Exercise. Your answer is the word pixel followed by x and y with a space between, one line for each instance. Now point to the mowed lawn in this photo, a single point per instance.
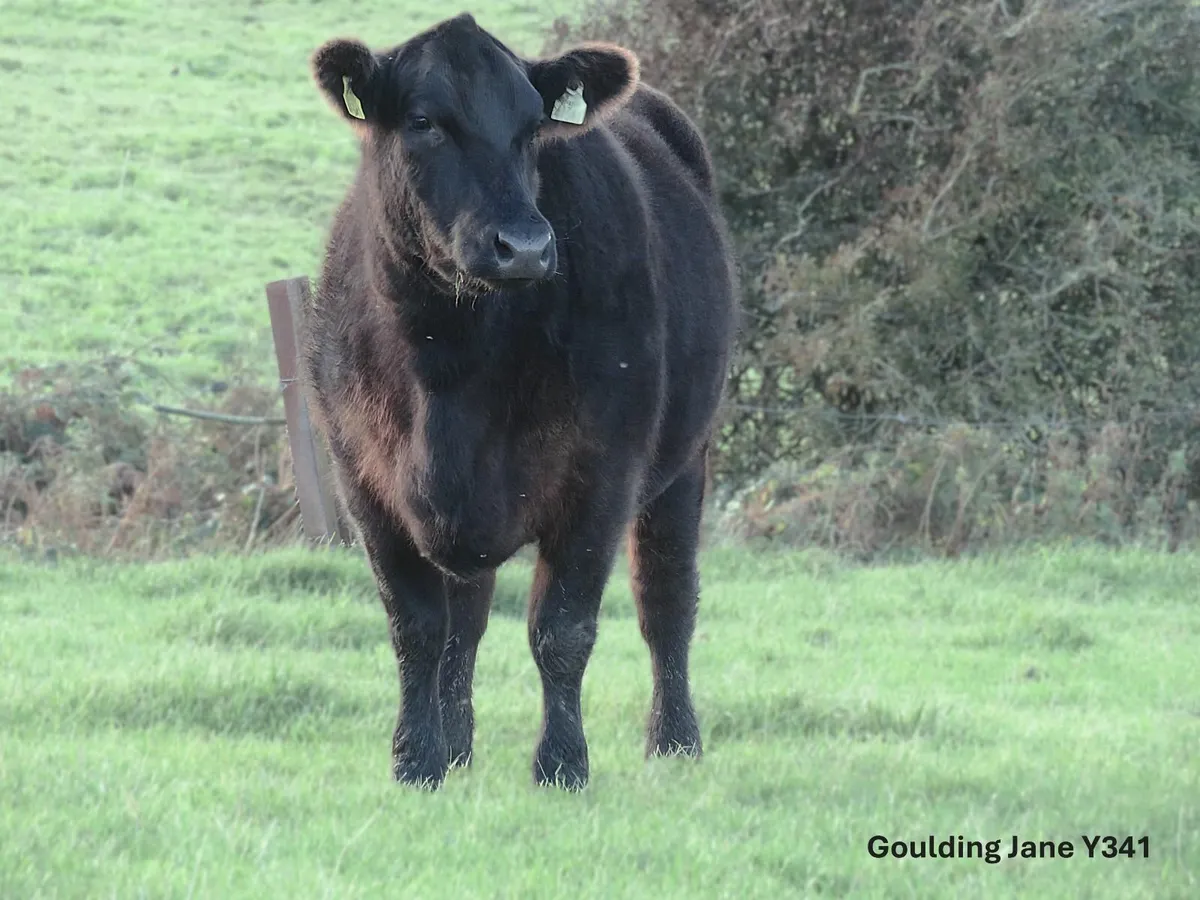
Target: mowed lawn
pixel 161 161
pixel 220 728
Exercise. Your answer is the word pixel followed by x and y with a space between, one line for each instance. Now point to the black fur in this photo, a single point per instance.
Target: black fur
pixel 469 415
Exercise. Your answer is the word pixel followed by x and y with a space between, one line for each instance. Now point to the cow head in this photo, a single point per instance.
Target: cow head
pixel 451 124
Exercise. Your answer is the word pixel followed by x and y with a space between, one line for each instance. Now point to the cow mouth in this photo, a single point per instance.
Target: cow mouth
pixel 456 282
pixel 466 285
pixel 513 284
pixel 461 284
pixel 453 281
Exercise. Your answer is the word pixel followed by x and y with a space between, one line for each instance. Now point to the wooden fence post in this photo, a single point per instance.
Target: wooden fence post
pixel 319 512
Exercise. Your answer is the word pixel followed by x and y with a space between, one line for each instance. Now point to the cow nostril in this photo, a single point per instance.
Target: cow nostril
pixel 523 253
pixel 504 250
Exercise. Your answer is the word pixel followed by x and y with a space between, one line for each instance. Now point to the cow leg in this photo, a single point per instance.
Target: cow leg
pixel 664 541
pixel 565 601
pixel 414 595
pixel 470 603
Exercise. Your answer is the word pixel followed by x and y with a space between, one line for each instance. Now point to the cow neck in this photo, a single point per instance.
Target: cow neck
pixel 421 312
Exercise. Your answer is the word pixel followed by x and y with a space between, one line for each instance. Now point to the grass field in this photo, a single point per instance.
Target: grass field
pixel 220 728
pixel 162 161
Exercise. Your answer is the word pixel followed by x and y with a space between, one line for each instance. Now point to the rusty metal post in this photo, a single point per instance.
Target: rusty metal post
pixel 310 461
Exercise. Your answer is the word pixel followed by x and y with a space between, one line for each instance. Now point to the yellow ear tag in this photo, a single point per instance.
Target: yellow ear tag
pixel 570 107
pixel 353 106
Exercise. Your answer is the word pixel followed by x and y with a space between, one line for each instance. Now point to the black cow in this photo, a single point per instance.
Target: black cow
pixel 521 334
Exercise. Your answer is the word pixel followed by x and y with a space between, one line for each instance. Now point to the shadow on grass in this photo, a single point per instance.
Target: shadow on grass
pixel 293 626
pixel 271 707
pixel 791 715
pixel 281 576
pixel 1054 633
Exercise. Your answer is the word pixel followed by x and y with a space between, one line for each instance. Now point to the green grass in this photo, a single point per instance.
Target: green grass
pixel 162 161
pixel 220 728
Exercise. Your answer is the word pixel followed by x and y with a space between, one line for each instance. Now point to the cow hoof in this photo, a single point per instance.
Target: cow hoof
pixel 426 776
pixel 677 737
pixel 460 732
pixel 691 749
pixel 568 771
pixel 419 764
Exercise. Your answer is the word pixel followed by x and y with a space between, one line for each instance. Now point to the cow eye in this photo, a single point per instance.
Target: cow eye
pixel 420 124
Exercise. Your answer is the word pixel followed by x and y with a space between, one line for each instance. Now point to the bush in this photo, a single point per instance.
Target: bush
pixel 970 212
pixel 87 467
pixel 946 490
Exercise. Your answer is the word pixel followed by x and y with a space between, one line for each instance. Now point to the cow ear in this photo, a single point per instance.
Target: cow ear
pixel 583 86
pixel 345 71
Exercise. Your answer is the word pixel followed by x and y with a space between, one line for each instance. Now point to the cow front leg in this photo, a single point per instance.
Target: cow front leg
pixel 414 595
pixel 564 604
pixel 470 603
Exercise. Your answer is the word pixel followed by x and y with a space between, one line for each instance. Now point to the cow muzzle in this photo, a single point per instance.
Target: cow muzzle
pixel 522 253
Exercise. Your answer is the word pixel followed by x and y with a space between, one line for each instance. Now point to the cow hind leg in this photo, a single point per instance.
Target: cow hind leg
pixel 469 603
pixel 664 542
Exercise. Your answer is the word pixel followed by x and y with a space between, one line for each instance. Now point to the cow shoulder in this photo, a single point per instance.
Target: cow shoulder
pixel 654 108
